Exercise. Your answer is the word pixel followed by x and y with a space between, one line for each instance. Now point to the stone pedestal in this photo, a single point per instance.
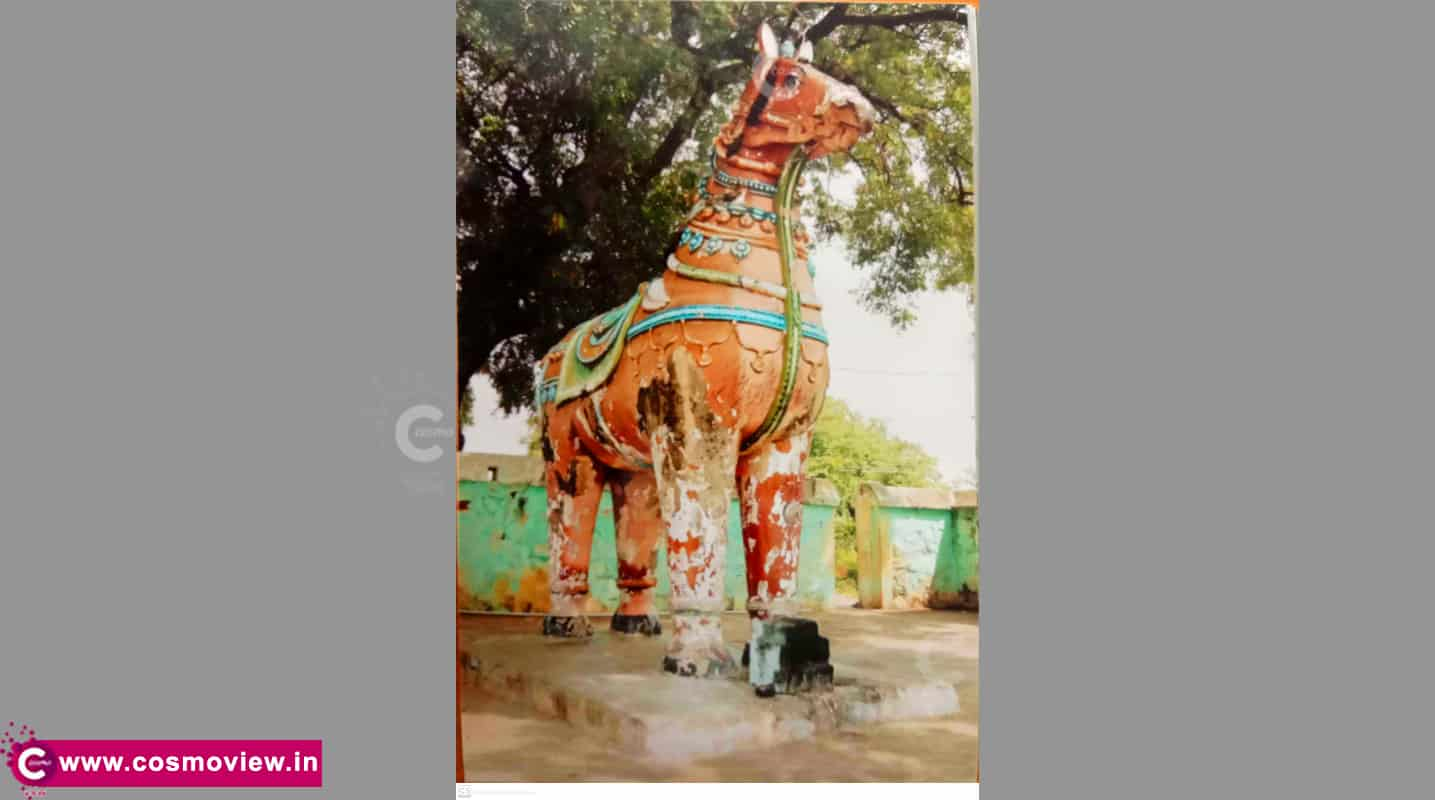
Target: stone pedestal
pixel 611 687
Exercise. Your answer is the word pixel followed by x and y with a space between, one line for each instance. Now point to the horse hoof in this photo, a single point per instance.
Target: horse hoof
pixel 645 624
pixel 705 668
pixel 567 627
pixel 685 669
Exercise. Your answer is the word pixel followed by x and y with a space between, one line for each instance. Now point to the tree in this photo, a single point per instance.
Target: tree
pixel 581 132
pixel 533 440
pixel 849 449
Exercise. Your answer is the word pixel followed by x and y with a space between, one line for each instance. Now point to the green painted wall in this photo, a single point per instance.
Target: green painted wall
pixel 503 552
pixel 916 547
pixel 916 536
pixel 955 579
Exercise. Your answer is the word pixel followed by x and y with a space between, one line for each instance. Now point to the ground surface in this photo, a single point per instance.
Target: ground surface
pixel 544 710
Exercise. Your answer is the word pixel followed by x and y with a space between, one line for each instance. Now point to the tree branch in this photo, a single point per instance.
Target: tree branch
pixel 791 18
pixel 884 105
pixel 682 128
pixel 683 24
pixel 838 16
pixel 892 21
pixel 826 25
pixel 880 103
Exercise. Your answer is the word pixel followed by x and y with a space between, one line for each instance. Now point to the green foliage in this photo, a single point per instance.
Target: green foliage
pixel 912 227
pixel 849 449
pixel 533 440
pixel 845 567
pixel 465 407
pixel 581 130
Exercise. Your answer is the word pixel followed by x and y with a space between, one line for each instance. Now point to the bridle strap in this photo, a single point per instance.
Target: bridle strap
pixel 754 114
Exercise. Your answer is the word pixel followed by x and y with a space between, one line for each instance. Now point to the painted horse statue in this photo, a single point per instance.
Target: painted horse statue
pixel 708 381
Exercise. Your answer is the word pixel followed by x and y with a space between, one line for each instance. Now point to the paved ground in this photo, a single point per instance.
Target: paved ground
pixel 544 710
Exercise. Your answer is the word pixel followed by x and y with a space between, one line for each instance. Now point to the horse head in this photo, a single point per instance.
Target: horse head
pixel 788 102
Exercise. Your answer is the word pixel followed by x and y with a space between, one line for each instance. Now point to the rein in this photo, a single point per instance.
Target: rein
pixel 792 308
pixel 754 114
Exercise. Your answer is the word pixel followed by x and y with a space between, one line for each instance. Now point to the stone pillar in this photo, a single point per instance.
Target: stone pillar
pixel 817 566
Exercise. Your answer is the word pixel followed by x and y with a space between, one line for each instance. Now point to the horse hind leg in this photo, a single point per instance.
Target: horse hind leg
pixel 639 527
pixel 694 457
pixel 575 488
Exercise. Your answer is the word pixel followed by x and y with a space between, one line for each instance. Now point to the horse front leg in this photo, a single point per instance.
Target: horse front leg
pixel 575 488
pixel 694 458
pixel 770 487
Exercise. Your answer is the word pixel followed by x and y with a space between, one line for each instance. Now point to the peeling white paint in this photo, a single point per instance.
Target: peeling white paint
pixel 771 558
pixel 749 503
pixel 789 463
pixel 569 515
pixel 656 296
pixel 582 420
pixel 777 506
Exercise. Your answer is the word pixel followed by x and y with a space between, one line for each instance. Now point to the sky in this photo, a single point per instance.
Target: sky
pixel 920 382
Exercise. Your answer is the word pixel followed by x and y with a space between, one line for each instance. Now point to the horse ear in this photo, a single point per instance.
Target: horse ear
pixel 767 41
pixel 804 53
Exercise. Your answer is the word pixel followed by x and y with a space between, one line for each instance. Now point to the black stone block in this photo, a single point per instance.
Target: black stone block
pixel 802 657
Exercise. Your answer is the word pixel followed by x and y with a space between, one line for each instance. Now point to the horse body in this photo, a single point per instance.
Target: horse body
pixel 710 395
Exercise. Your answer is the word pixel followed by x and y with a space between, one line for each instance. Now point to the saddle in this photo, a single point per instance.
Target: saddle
pixel 591 352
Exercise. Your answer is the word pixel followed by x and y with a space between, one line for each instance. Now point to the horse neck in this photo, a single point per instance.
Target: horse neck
pixel 741 167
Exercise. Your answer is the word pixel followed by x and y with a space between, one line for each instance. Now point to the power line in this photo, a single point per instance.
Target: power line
pixel 897 372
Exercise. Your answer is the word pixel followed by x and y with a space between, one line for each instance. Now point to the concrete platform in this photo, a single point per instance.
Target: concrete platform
pixel 891 668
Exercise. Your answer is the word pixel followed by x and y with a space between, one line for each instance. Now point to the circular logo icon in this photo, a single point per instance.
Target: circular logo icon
pixel 404 433
pixel 34 763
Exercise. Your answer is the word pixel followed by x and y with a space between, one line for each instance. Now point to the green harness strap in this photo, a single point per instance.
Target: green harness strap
pixel 792 308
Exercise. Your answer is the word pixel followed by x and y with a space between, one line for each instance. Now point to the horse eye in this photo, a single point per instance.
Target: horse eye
pixel 791 81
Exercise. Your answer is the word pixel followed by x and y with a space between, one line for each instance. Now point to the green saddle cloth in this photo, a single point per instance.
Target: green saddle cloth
pixel 592 352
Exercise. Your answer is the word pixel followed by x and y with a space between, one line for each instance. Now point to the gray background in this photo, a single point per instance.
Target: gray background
pixel 225 269
pixel 1204 398
pixel 227 248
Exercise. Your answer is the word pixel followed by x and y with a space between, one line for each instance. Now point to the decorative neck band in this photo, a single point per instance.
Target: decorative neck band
pixel 762 188
pixel 755 165
pixel 711 245
pixel 734 208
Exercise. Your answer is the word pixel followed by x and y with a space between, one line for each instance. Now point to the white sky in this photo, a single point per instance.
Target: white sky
pixel 920 382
